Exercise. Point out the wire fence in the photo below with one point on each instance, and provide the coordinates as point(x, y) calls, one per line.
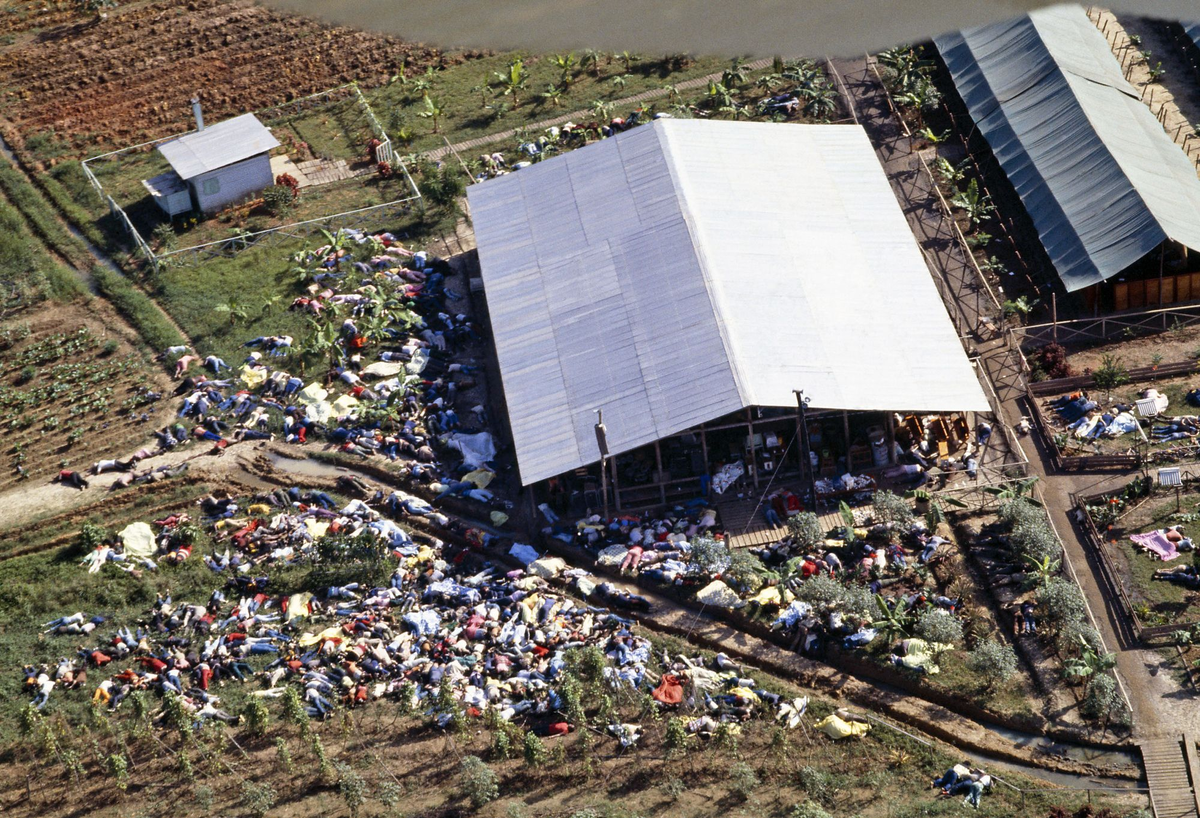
point(367, 218)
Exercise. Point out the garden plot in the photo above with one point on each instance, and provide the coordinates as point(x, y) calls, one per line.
point(1118, 517)
point(71, 392)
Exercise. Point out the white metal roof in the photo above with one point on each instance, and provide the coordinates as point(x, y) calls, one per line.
point(687, 269)
point(218, 145)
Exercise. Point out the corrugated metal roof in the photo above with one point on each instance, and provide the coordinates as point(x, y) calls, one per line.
point(684, 270)
point(1192, 30)
point(217, 146)
point(1101, 180)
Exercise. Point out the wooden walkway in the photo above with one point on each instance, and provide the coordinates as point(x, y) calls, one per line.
point(1171, 772)
point(747, 527)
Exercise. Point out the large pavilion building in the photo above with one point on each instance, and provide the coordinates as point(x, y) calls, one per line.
point(686, 277)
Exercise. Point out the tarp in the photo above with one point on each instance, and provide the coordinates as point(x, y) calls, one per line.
point(138, 539)
point(719, 595)
point(313, 393)
point(297, 605)
point(476, 449)
point(383, 369)
point(1102, 181)
point(687, 269)
point(837, 728)
point(253, 376)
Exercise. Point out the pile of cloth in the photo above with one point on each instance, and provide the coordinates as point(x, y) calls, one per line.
point(1083, 417)
point(1165, 543)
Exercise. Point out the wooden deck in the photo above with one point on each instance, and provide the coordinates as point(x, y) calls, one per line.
point(1169, 766)
point(746, 525)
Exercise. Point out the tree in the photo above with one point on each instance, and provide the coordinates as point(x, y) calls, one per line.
point(1089, 662)
point(433, 111)
point(553, 96)
point(993, 661)
point(1040, 570)
point(1101, 698)
point(1111, 373)
point(512, 82)
point(591, 59)
point(1016, 490)
point(620, 81)
point(820, 99)
point(478, 783)
point(939, 627)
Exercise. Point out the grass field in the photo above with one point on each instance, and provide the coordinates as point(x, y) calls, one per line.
point(1164, 602)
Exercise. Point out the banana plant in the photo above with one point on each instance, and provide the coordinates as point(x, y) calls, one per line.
point(1088, 663)
point(1040, 571)
point(1016, 490)
point(893, 623)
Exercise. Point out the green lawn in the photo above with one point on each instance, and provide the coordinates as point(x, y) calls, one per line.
point(1165, 602)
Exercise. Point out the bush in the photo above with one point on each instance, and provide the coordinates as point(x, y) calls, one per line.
point(710, 555)
point(1020, 511)
point(257, 716)
point(853, 599)
point(278, 200)
point(940, 626)
point(164, 236)
point(1062, 602)
point(809, 809)
point(1035, 539)
point(535, 751)
point(110, 346)
point(1101, 700)
point(993, 661)
point(352, 788)
point(204, 798)
point(1049, 361)
point(1111, 373)
point(805, 530)
point(891, 508)
point(745, 570)
point(819, 785)
point(258, 798)
point(743, 781)
point(478, 783)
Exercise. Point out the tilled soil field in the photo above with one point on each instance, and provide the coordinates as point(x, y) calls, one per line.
point(129, 78)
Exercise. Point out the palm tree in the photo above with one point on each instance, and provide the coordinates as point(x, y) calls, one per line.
point(1040, 571)
point(433, 110)
point(512, 81)
point(820, 99)
point(978, 206)
point(768, 82)
point(619, 81)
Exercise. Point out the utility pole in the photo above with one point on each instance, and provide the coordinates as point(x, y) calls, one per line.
point(602, 445)
point(806, 447)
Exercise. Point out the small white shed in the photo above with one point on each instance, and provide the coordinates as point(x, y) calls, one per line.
point(216, 166)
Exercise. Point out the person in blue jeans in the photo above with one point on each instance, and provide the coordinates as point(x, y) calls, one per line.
point(951, 777)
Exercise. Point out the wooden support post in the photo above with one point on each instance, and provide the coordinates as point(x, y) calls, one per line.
point(750, 437)
point(704, 448)
point(616, 483)
point(662, 488)
point(1162, 257)
point(1054, 314)
point(891, 436)
point(846, 436)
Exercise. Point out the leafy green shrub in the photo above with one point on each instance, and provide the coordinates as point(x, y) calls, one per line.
point(676, 737)
point(805, 530)
point(535, 751)
point(993, 661)
point(743, 781)
point(1101, 699)
point(888, 508)
point(257, 716)
point(745, 570)
point(352, 788)
point(204, 798)
point(478, 783)
point(1062, 602)
point(278, 199)
point(711, 556)
point(939, 626)
point(809, 809)
point(258, 798)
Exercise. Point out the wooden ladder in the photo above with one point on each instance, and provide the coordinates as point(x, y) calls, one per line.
point(1171, 769)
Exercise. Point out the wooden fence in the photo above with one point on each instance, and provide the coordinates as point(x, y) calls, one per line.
point(1108, 327)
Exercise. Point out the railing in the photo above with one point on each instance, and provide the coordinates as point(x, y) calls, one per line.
point(1109, 326)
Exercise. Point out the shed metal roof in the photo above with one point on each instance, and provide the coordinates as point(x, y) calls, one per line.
point(217, 146)
point(1101, 180)
point(684, 270)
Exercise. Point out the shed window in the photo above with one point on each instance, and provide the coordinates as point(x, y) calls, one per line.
point(211, 187)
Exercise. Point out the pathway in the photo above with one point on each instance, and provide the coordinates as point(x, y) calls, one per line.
point(1155, 699)
point(585, 113)
point(1167, 764)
